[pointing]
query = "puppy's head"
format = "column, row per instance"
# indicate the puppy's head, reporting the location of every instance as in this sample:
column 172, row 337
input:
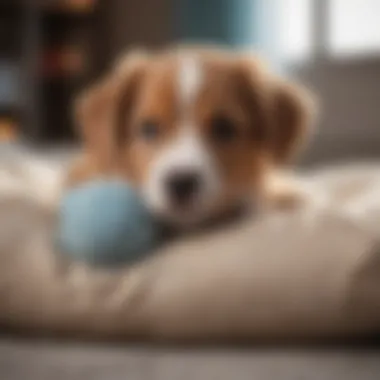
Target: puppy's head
column 195, row 130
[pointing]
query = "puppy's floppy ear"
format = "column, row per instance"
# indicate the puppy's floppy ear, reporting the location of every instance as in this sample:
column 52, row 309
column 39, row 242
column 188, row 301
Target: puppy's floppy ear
column 101, row 111
column 294, row 110
column 283, row 110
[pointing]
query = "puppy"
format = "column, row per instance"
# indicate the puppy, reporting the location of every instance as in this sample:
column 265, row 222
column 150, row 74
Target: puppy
column 198, row 131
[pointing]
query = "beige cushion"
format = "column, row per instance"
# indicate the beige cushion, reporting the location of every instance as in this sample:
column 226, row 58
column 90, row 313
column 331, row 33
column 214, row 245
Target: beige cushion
column 311, row 273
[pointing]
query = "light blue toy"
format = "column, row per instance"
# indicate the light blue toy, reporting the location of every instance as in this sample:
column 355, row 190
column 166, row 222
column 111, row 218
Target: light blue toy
column 105, row 223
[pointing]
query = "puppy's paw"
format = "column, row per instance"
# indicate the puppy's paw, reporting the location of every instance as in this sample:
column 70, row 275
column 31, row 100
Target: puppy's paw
column 289, row 198
column 286, row 194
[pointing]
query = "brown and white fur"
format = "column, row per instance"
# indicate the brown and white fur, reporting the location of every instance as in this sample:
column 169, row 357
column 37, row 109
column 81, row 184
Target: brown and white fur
column 216, row 119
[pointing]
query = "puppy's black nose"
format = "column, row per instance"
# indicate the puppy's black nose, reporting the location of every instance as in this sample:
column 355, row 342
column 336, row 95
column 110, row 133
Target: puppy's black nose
column 182, row 187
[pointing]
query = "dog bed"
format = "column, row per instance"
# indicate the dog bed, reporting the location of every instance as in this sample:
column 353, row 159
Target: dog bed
column 313, row 273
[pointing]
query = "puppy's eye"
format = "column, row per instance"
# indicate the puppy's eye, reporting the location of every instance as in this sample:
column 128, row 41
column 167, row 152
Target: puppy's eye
column 223, row 129
column 149, row 130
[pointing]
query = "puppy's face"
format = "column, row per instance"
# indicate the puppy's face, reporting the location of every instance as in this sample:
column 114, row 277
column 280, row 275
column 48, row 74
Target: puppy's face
column 196, row 131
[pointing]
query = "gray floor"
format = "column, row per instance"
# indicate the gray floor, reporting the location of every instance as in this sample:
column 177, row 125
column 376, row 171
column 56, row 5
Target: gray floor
column 21, row 360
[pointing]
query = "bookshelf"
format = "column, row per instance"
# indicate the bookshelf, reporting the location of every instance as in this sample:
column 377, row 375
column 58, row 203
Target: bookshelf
column 47, row 52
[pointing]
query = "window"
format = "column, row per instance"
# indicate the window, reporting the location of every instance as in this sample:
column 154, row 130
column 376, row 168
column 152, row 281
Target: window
column 344, row 28
column 294, row 28
column 354, row 27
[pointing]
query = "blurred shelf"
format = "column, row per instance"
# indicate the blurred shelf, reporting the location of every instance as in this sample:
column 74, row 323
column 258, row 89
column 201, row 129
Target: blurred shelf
column 48, row 51
column 63, row 62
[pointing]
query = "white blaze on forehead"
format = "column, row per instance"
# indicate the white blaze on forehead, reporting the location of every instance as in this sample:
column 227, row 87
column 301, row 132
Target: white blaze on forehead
column 189, row 79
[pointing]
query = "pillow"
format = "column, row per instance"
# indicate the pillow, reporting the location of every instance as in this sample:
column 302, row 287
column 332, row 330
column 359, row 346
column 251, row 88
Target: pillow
column 308, row 274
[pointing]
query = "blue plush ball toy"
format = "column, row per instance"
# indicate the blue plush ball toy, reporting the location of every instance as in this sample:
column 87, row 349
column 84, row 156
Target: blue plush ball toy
column 105, row 223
